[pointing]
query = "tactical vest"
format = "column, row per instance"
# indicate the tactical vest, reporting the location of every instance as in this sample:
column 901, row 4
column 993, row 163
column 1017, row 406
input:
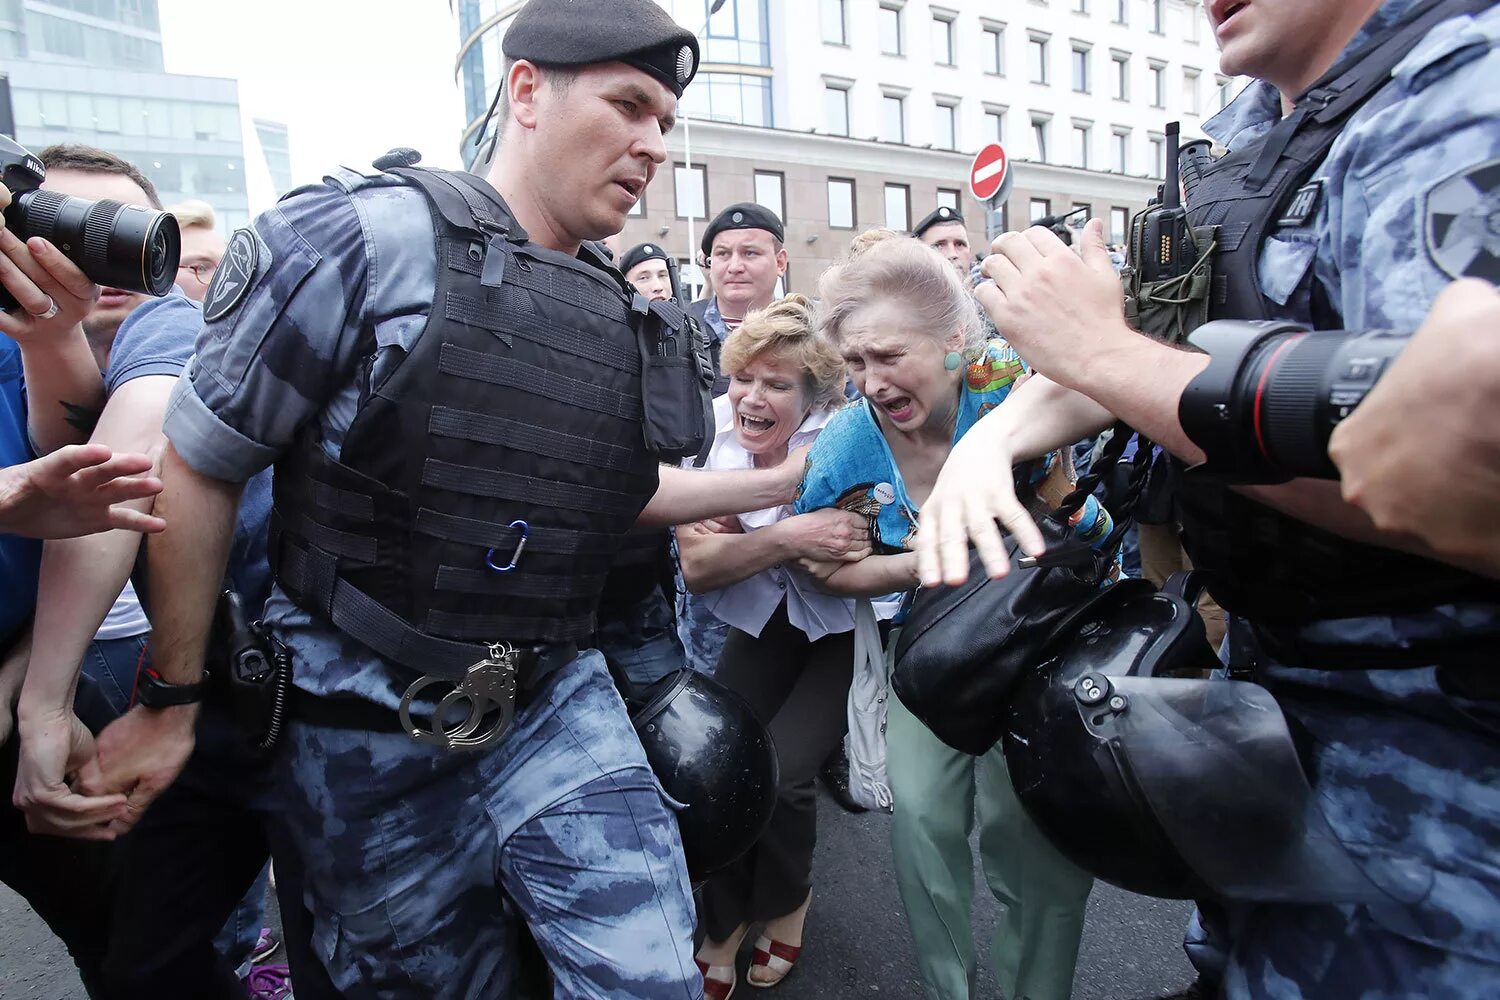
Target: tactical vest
column 1267, row 566
column 489, row 478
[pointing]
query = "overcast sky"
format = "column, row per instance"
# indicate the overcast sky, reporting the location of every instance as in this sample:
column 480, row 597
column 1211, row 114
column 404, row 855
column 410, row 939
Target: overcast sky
column 350, row 78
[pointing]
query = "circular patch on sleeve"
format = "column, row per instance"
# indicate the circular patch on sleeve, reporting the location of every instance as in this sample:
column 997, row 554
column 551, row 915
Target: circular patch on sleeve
column 1462, row 227
column 234, row 275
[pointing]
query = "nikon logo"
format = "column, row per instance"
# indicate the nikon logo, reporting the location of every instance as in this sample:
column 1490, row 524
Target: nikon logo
column 34, row 165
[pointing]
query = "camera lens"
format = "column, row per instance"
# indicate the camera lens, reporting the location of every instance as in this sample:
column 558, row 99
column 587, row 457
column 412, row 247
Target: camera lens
column 121, row 246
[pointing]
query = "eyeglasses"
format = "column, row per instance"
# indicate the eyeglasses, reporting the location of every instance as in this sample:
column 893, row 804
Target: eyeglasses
column 203, row 272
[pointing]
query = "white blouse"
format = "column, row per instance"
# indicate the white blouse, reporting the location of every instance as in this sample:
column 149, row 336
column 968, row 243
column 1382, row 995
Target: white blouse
column 749, row 604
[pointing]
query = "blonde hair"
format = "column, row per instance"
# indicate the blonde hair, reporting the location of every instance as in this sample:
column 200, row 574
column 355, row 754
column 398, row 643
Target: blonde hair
column 906, row 272
column 869, row 238
column 193, row 213
column 787, row 328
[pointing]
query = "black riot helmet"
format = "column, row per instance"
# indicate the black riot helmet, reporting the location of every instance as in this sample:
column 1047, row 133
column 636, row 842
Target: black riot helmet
column 1169, row 786
column 710, row 753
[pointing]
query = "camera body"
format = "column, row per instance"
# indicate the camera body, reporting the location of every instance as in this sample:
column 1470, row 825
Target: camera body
column 1273, row 392
column 122, row 246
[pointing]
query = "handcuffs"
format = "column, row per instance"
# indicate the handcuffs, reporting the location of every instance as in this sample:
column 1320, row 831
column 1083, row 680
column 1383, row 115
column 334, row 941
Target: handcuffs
column 487, row 686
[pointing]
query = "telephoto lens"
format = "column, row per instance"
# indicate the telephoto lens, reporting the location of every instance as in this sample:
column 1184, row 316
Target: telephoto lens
column 1264, row 408
column 122, row 246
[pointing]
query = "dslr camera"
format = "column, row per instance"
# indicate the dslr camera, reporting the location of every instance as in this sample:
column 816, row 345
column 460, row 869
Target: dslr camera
column 1264, row 408
column 123, row 246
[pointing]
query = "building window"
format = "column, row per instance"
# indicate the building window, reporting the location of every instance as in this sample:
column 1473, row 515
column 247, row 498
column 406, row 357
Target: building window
column 638, row 210
column 947, row 198
column 1080, row 6
column 890, row 30
column 1158, row 155
column 1081, row 82
column 1039, row 126
column 691, row 190
column 1158, row 85
column 836, row 109
column 834, row 22
column 898, row 207
column 1121, row 63
column 994, row 50
column 994, row 125
column 1080, row 208
column 1037, row 47
column 1122, row 11
column 945, row 126
column 892, row 118
column 1158, row 17
column 1040, row 207
column 1120, row 150
column 1190, row 27
column 1190, row 91
column 942, row 40
column 840, row 203
column 1083, row 134
column 1119, row 221
column 770, row 191
column 1226, row 92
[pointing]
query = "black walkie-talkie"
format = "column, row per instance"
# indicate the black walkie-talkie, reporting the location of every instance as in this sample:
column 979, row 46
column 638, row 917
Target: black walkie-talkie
column 674, row 277
column 1167, row 249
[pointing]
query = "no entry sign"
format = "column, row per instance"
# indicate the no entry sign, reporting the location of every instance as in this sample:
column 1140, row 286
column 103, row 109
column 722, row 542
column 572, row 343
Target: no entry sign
column 988, row 172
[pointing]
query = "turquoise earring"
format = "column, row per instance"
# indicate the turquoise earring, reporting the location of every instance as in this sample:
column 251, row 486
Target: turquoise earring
column 953, row 361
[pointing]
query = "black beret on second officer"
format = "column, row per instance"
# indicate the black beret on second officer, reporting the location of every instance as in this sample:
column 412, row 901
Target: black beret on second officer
column 937, row 217
column 745, row 215
column 639, row 254
column 581, row 32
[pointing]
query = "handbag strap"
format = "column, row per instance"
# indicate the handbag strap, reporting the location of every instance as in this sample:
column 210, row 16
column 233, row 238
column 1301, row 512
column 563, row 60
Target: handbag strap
column 1120, row 501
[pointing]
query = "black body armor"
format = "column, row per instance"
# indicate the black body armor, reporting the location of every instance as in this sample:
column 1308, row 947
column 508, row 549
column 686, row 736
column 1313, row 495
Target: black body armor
column 1244, row 196
column 489, row 477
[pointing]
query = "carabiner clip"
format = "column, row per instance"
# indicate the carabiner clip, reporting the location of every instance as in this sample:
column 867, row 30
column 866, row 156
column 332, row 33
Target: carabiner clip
column 515, row 557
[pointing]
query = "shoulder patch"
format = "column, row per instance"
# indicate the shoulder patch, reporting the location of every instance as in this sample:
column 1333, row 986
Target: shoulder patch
column 234, row 275
column 1462, row 224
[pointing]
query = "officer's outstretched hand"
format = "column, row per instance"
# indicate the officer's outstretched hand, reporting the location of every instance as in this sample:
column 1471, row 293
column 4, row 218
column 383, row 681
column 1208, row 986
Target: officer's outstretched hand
column 74, row 490
column 974, row 494
column 1421, row 454
column 140, row 755
column 1059, row 309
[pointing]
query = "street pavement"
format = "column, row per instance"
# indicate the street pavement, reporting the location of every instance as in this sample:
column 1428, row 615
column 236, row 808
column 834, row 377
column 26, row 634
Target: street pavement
column 856, row 943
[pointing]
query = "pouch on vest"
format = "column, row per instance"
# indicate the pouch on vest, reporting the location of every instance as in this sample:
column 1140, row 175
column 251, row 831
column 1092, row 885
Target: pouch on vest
column 1168, row 272
column 676, row 380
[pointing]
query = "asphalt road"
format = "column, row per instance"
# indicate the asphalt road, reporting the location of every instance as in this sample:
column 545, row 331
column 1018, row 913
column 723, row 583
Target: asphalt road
column 856, row 941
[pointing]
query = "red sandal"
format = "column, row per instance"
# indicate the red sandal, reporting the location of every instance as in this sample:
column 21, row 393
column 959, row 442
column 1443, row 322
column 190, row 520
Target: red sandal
column 715, row 986
column 774, row 957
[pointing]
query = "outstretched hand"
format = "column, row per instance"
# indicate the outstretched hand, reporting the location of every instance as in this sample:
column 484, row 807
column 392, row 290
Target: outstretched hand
column 74, row 491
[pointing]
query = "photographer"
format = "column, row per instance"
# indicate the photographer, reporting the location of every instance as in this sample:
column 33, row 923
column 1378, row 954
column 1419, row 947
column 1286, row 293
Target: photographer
column 1378, row 658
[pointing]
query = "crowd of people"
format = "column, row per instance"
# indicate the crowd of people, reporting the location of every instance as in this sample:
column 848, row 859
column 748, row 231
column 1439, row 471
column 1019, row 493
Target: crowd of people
column 418, row 427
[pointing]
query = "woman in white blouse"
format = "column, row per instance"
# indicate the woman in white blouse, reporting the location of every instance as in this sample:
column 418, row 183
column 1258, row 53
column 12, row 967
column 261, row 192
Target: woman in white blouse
column 791, row 647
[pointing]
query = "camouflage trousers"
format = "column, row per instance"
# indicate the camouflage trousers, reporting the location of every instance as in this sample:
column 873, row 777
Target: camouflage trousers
column 1414, row 795
column 425, row 868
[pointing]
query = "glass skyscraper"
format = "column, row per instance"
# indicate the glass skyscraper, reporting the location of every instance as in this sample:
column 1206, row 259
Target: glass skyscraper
column 91, row 71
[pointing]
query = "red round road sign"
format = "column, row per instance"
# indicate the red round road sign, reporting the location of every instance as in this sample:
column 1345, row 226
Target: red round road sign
column 988, row 171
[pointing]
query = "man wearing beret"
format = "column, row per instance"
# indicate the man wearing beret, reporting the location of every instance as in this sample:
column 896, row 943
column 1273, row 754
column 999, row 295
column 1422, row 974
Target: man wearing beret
column 943, row 229
column 746, row 257
column 645, row 266
column 445, row 371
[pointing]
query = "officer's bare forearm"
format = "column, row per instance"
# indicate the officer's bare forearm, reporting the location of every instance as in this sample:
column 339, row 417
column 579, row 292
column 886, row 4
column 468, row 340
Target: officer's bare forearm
column 712, row 560
column 687, row 495
column 64, row 392
column 874, row 576
column 186, row 566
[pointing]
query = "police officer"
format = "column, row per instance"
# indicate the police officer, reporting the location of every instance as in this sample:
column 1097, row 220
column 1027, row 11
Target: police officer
column 1360, row 166
column 746, row 253
column 449, row 378
column 944, row 230
column 645, row 266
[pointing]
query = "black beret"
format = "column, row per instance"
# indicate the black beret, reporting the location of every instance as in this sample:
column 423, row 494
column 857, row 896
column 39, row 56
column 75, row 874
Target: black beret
column 638, row 33
column 937, row 217
column 639, row 254
column 745, row 215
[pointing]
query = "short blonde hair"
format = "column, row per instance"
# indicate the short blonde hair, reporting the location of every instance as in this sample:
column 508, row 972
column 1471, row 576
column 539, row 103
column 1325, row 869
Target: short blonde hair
column 869, row 238
column 906, row 272
column 193, row 213
column 787, row 328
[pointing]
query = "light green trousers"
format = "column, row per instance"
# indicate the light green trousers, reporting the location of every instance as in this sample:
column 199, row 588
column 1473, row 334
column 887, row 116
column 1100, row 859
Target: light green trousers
column 1043, row 894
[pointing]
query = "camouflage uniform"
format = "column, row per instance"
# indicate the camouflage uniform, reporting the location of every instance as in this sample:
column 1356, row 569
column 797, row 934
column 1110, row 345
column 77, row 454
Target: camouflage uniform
column 1408, row 774
column 421, row 864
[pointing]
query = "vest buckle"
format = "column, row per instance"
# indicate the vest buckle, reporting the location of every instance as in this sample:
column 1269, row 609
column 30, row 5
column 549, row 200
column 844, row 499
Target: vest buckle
column 488, row 689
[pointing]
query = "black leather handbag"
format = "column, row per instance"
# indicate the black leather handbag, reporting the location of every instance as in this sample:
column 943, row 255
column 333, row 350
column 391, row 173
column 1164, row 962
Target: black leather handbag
column 962, row 648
